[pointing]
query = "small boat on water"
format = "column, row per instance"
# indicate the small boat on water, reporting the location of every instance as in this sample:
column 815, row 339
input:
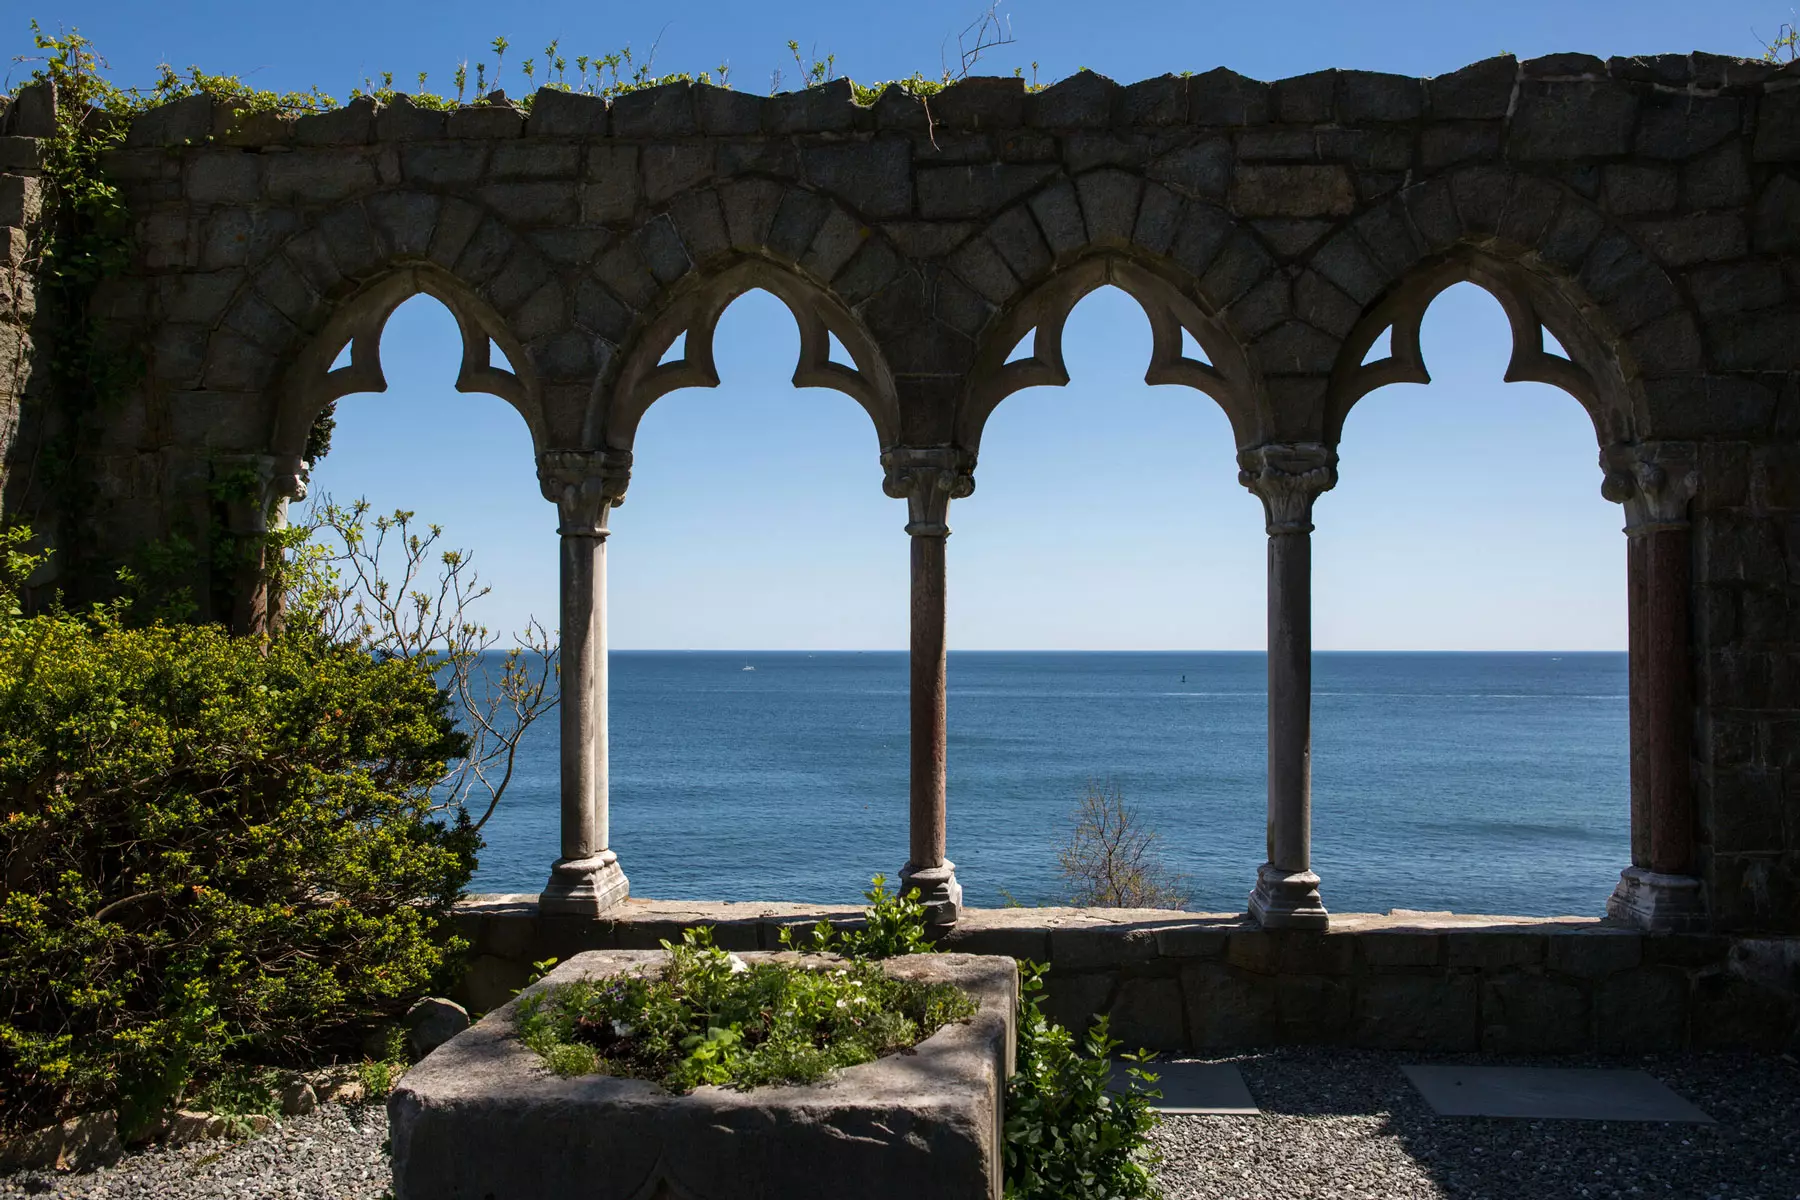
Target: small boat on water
column 749, row 668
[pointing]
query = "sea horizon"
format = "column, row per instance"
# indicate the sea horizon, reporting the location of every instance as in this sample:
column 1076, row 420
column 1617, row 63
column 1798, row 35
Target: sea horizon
column 1489, row 781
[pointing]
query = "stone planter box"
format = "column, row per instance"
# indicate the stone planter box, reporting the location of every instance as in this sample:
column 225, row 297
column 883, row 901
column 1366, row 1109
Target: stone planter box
column 481, row 1119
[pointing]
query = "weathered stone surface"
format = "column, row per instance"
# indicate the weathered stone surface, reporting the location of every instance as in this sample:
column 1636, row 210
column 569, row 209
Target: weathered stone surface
column 1533, row 1014
column 297, row 1097
column 433, row 1021
column 1147, row 1014
column 78, row 1145
column 1266, row 191
column 482, row 1119
column 1417, row 1013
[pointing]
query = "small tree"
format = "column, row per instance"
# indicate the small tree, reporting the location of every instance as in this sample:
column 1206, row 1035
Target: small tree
column 1110, row 859
column 1785, row 47
column 387, row 587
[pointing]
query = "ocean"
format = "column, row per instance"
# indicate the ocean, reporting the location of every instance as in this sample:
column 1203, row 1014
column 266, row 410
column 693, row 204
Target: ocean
column 1479, row 782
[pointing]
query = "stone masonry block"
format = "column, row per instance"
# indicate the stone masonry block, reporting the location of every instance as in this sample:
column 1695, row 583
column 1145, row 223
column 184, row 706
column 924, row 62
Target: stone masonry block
column 353, row 124
column 1641, row 1010
column 1223, row 97
column 1424, row 1012
column 665, row 111
column 1532, row 1014
column 1292, row 191
column 223, row 177
column 1480, row 91
column 1778, row 127
column 1082, row 101
column 835, row 244
column 824, row 108
column 1487, row 950
column 1365, row 96
column 1193, row 941
column 556, row 113
column 1159, row 101
column 1596, row 954
column 749, row 207
column 1383, row 950
column 976, row 190
column 487, row 121
column 668, row 169
column 1021, row 942
column 1109, row 202
column 1087, row 948
column 403, row 121
column 874, row 178
column 187, row 121
column 1228, row 1009
column 1058, row 214
column 318, row 176
column 723, row 112
column 1147, row 1014
column 1557, row 121
column 1240, row 265
column 978, row 264
column 980, row 103
column 611, row 194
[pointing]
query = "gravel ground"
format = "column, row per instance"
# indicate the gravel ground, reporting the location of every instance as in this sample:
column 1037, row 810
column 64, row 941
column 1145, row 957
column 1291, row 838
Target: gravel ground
column 1343, row 1123
column 1336, row 1124
column 335, row 1153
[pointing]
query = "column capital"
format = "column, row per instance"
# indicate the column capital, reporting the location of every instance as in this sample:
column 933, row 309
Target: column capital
column 276, row 477
column 1288, row 476
column 584, row 485
column 1653, row 480
column 928, row 478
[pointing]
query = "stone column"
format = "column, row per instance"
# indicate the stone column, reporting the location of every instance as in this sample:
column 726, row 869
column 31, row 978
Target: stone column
column 1655, row 481
column 929, row 478
column 256, row 489
column 586, row 485
column 1289, row 478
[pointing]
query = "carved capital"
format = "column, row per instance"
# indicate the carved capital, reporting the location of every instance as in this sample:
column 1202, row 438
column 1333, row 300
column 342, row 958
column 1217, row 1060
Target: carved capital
column 1653, row 480
column 1288, row 477
column 585, row 485
column 928, row 477
column 252, row 485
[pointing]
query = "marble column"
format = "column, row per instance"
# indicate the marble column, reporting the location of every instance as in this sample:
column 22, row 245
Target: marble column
column 586, row 485
column 1288, row 478
column 1656, row 481
column 928, row 479
column 257, row 488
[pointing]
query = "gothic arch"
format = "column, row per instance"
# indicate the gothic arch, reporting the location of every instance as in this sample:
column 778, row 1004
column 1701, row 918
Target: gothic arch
column 1551, row 260
column 692, row 313
column 334, row 285
column 1043, row 312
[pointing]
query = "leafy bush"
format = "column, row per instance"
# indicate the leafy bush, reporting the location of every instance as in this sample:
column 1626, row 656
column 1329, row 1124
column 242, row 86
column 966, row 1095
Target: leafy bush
column 1067, row 1136
column 893, row 925
column 710, row 1017
column 216, row 849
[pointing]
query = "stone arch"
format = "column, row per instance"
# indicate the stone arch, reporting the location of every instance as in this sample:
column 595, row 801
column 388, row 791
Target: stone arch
column 1043, row 313
column 336, row 282
column 1552, row 260
column 692, row 311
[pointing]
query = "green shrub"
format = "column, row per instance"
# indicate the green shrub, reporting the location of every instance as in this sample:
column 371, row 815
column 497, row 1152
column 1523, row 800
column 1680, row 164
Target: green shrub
column 216, row 850
column 893, row 925
column 1067, row 1136
column 708, row 1017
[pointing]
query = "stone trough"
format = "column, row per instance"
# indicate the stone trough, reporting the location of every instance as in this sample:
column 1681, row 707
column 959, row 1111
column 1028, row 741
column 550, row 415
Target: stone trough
column 481, row 1119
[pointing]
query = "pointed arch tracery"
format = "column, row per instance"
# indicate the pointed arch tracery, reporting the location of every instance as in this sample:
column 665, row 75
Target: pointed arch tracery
column 312, row 383
column 1592, row 373
column 693, row 316
column 1043, row 314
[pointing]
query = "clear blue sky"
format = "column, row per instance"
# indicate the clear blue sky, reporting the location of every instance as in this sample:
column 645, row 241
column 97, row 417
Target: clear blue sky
column 1467, row 516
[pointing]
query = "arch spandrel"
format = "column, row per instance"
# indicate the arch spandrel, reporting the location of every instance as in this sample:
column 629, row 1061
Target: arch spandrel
column 693, row 313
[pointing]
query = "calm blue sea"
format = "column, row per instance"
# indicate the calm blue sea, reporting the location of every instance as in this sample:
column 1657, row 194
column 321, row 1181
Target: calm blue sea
column 1479, row 782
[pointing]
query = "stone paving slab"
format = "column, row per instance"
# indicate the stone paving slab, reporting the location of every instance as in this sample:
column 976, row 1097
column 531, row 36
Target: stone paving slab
column 1196, row 1089
column 1551, row 1093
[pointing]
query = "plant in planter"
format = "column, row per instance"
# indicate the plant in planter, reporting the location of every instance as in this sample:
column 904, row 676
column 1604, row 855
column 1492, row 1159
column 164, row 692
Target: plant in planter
column 709, row 1017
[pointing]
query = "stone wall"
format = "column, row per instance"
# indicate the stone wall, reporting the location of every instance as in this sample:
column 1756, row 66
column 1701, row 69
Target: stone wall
column 1645, row 211
column 1187, row 982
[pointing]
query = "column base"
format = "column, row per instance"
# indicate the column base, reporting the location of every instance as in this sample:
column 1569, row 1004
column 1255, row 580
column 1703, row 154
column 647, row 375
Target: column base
column 1647, row 899
column 1287, row 900
column 939, row 891
column 584, row 887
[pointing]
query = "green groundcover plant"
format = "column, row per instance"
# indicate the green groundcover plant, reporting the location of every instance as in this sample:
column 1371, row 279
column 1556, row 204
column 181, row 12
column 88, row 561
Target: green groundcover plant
column 707, row 1016
column 216, row 850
